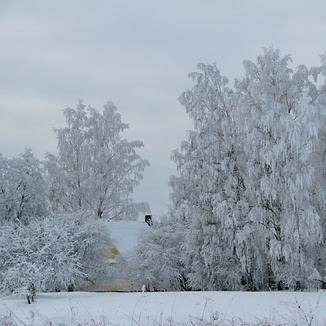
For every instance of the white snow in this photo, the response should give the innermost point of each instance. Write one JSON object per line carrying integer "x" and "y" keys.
{"x": 159, "y": 308}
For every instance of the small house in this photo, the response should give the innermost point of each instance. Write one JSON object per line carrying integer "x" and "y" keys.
{"x": 125, "y": 236}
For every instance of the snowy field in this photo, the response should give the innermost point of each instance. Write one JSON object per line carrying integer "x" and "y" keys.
{"x": 167, "y": 308}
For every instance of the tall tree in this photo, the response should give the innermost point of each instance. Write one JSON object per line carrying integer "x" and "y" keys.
{"x": 251, "y": 177}
{"x": 95, "y": 169}
{"x": 318, "y": 193}
{"x": 279, "y": 134}
{"x": 210, "y": 184}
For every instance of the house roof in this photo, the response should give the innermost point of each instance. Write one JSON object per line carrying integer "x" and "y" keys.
{"x": 126, "y": 233}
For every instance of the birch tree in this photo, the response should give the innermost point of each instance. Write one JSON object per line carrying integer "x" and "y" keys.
{"x": 280, "y": 133}
{"x": 95, "y": 170}
{"x": 251, "y": 177}
{"x": 210, "y": 183}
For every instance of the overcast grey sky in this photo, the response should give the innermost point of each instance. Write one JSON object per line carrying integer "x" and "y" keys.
{"x": 138, "y": 54}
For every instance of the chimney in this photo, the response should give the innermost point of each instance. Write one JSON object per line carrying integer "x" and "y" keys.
{"x": 148, "y": 219}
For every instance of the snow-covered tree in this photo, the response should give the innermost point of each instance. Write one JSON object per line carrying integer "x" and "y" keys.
{"x": 207, "y": 194}
{"x": 95, "y": 170}
{"x": 279, "y": 134}
{"x": 251, "y": 176}
{"x": 319, "y": 159}
{"x": 23, "y": 192}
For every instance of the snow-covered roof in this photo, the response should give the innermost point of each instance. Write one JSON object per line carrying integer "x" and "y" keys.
{"x": 125, "y": 234}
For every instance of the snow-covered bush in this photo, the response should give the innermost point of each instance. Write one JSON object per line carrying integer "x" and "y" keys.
{"x": 58, "y": 252}
{"x": 157, "y": 261}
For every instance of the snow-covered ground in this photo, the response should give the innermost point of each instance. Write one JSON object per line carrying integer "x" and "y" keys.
{"x": 141, "y": 309}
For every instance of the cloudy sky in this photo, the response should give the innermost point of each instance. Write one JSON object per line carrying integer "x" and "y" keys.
{"x": 137, "y": 53}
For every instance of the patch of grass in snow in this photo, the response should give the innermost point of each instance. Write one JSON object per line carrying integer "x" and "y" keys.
{"x": 299, "y": 316}
{"x": 216, "y": 319}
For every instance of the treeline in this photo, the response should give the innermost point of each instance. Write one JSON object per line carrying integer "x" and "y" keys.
{"x": 248, "y": 204}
